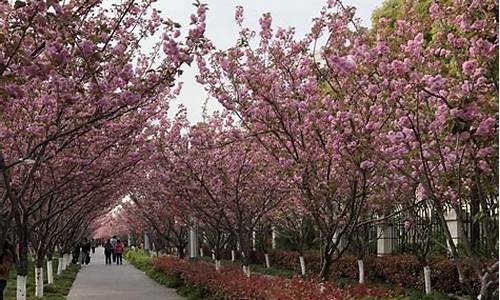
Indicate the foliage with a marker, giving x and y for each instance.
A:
(231, 283)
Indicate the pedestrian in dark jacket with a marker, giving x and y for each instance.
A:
(85, 252)
(108, 251)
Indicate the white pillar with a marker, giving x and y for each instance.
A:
(193, 243)
(385, 240)
(452, 223)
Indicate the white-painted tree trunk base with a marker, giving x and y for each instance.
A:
(273, 238)
(50, 272)
(246, 270)
(254, 240)
(21, 287)
(217, 265)
(39, 282)
(361, 268)
(233, 255)
(59, 266)
(201, 252)
(427, 278)
(213, 256)
(302, 265)
(65, 261)
(268, 264)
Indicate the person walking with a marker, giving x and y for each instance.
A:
(93, 244)
(108, 250)
(113, 243)
(76, 253)
(6, 261)
(118, 252)
(85, 252)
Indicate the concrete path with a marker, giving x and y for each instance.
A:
(99, 281)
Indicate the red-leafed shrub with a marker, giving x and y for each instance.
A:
(230, 283)
(399, 270)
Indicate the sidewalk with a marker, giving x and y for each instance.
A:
(112, 282)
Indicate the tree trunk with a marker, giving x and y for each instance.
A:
(427, 280)
(21, 287)
(38, 282)
(50, 271)
(268, 264)
(325, 268)
(60, 263)
(302, 265)
(361, 267)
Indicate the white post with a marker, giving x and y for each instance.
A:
(39, 282)
(361, 268)
(384, 242)
(268, 264)
(302, 265)
(21, 287)
(427, 278)
(217, 265)
(213, 255)
(233, 255)
(201, 251)
(50, 272)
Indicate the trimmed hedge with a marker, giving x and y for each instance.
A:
(399, 270)
(230, 283)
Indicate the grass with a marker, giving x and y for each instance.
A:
(57, 291)
(143, 262)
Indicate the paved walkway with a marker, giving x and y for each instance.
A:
(98, 281)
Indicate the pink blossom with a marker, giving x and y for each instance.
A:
(487, 127)
(469, 67)
(367, 164)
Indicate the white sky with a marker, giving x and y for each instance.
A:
(222, 30)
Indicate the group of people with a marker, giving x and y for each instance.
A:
(82, 250)
(113, 249)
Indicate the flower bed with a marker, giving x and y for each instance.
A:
(230, 283)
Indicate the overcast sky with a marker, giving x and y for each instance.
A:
(222, 30)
